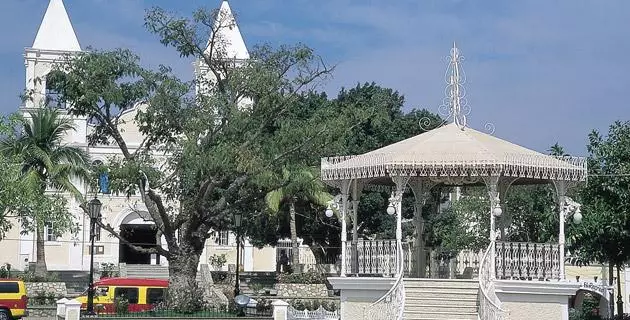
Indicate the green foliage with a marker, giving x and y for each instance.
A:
(109, 270)
(310, 277)
(264, 305)
(463, 225)
(530, 215)
(221, 277)
(30, 276)
(313, 304)
(603, 236)
(121, 305)
(256, 287)
(218, 260)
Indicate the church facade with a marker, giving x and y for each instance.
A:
(55, 39)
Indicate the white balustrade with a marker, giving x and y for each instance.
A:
(319, 314)
(527, 261)
(376, 257)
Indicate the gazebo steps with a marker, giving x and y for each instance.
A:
(435, 299)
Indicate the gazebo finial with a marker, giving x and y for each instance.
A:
(455, 101)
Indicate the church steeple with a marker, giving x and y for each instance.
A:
(56, 32)
(228, 36)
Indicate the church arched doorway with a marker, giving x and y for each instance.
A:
(139, 230)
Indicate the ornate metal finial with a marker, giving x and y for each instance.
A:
(455, 98)
(454, 105)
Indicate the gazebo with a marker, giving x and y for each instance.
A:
(455, 155)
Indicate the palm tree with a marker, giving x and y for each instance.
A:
(43, 153)
(300, 184)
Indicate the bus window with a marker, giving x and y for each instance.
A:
(130, 294)
(155, 295)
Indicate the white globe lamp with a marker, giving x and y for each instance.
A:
(577, 217)
(329, 212)
(390, 209)
(497, 211)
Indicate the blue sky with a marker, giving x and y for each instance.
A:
(543, 71)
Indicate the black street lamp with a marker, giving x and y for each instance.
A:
(94, 210)
(237, 224)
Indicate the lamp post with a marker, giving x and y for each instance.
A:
(94, 210)
(237, 224)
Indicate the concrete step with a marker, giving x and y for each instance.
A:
(441, 283)
(441, 299)
(452, 301)
(440, 316)
(420, 295)
(430, 308)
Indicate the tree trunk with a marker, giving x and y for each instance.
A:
(40, 264)
(295, 253)
(184, 294)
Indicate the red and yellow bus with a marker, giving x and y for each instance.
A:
(142, 294)
(13, 299)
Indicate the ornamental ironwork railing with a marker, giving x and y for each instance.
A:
(528, 261)
(392, 304)
(377, 257)
(489, 304)
(319, 314)
(453, 264)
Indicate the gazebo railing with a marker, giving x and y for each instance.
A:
(391, 306)
(376, 257)
(528, 261)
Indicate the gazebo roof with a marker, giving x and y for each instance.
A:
(454, 151)
(451, 151)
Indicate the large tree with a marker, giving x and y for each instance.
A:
(203, 157)
(604, 234)
(43, 155)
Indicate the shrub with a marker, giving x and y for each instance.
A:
(121, 305)
(4, 273)
(256, 287)
(313, 304)
(109, 270)
(220, 277)
(311, 277)
(217, 261)
(40, 298)
(263, 305)
(30, 276)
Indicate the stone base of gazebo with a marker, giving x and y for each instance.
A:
(526, 300)
(358, 293)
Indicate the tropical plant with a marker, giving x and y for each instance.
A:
(300, 184)
(45, 158)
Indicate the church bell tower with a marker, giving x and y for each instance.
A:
(55, 41)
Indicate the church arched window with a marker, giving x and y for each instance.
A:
(54, 99)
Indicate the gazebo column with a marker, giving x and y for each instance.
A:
(356, 195)
(492, 183)
(561, 193)
(345, 190)
(396, 201)
(420, 188)
(505, 221)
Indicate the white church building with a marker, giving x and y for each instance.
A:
(55, 39)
